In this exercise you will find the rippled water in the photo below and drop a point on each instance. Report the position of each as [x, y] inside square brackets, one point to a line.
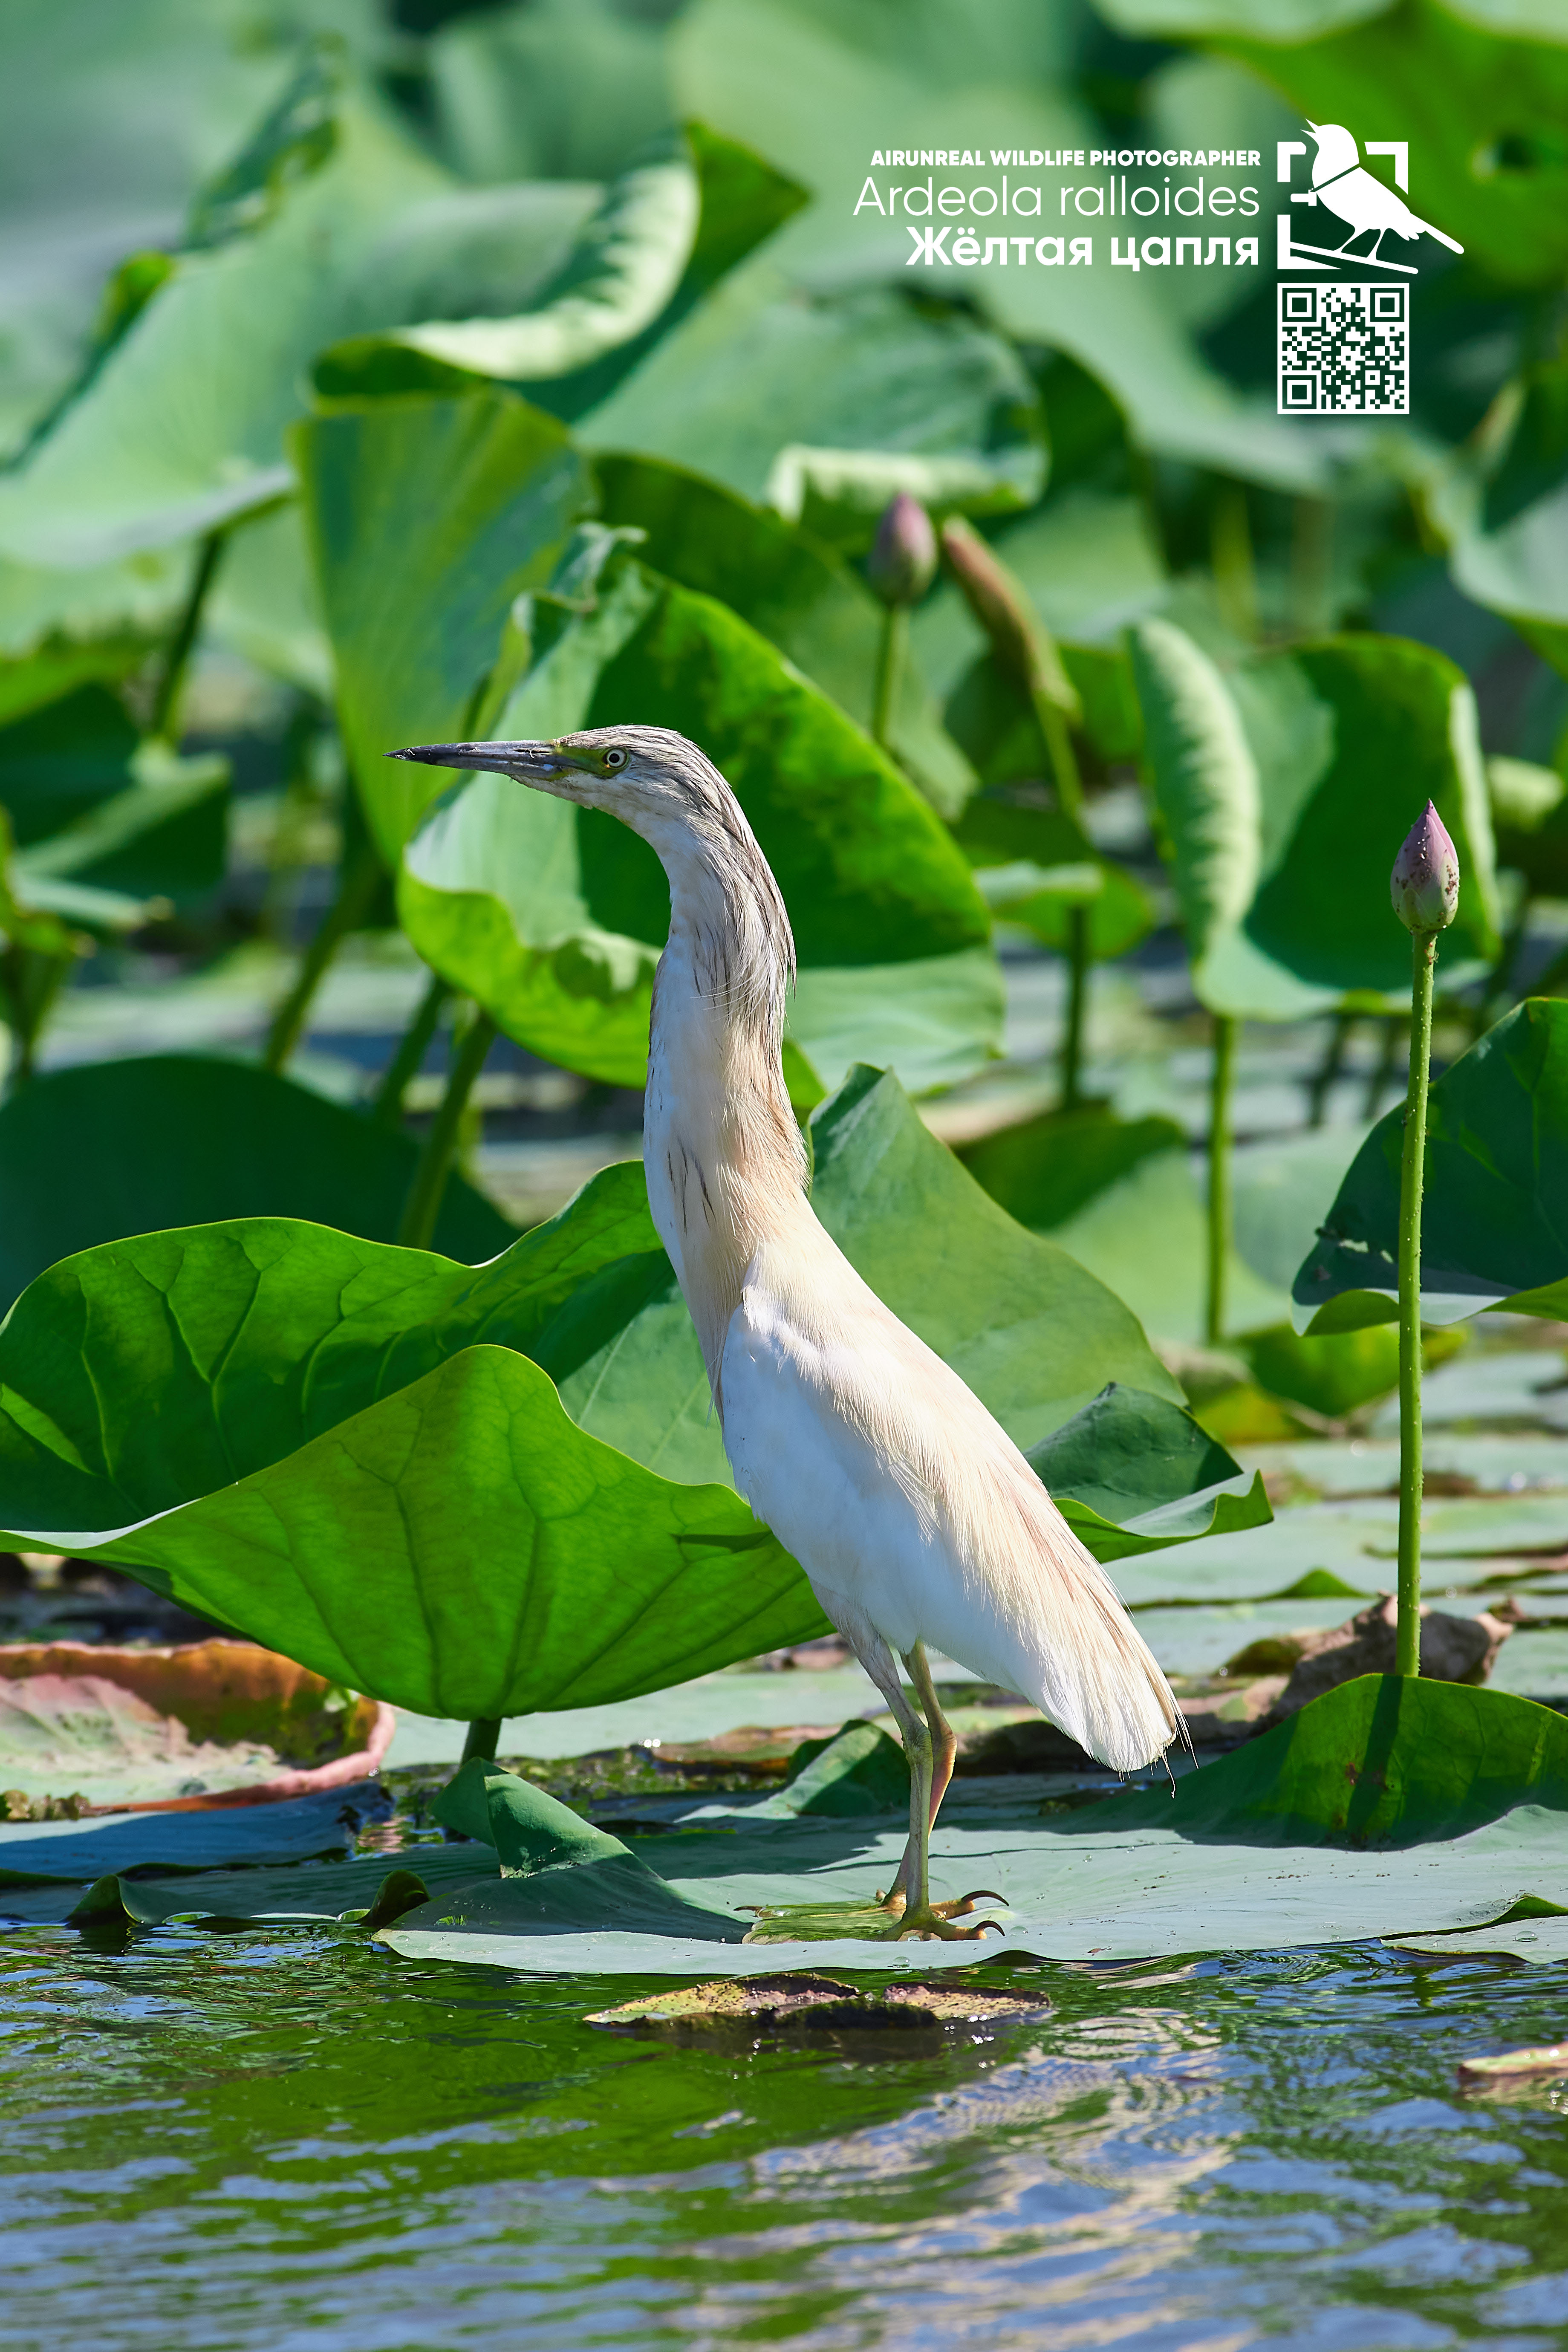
[252, 2140]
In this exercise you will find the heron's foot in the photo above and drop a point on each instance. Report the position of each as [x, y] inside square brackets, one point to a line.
[886, 1922]
[938, 1922]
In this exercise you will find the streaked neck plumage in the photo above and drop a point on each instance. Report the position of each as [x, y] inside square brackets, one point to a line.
[725, 1164]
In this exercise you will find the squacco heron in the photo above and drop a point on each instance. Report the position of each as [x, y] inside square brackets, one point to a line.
[915, 1517]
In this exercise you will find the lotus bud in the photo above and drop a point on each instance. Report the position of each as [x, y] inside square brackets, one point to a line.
[1425, 884]
[1001, 604]
[902, 562]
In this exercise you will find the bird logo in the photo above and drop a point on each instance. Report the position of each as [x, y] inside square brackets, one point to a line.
[1371, 208]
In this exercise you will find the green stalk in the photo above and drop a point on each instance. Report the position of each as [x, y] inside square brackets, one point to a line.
[1068, 782]
[181, 644]
[1311, 564]
[424, 1202]
[1230, 545]
[1065, 772]
[358, 881]
[413, 1045]
[484, 1738]
[1221, 1081]
[1077, 1007]
[1388, 1054]
[1327, 1073]
[1408, 1639]
[892, 646]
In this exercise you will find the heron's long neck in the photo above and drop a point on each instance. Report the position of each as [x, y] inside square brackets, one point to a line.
[723, 1155]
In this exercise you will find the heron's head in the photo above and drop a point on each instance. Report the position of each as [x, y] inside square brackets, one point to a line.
[648, 776]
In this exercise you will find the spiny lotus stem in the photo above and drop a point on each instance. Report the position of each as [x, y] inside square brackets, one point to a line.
[1426, 892]
[1425, 884]
[902, 562]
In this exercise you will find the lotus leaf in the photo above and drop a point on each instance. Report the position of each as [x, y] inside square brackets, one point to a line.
[826, 408]
[1285, 887]
[1493, 1232]
[792, 592]
[179, 428]
[105, 1148]
[427, 517]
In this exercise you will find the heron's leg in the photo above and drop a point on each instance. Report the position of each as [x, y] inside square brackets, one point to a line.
[910, 1887]
[944, 1739]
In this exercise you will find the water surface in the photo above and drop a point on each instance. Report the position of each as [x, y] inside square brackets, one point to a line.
[254, 2139]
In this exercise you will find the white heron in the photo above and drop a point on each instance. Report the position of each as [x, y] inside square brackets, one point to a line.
[912, 1513]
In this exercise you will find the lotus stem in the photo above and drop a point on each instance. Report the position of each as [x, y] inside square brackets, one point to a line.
[1065, 772]
[1077, 1008]
[1235, 575]
[181, 644]
[357, 884]
[1325, 1077]
[420, 1211]
[1221, 1080]
[1387, 1054]
[892, 645]
[1068, 782]
[484, 1738]
[1411, 1173]
[412, 1048]
[1311, 564]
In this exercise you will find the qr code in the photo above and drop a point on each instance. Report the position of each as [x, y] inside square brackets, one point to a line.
[1344, 349]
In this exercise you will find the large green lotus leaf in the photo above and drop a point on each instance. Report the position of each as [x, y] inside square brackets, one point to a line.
[1132, 1472]
[1349, 737]
[426, 518]
[801, 85]
[518, 1563]
[562, 90]
[933, 1019]
[264, 605]
[260, 1333]
[831, 403]
[180, 426]
[143, 104]
[552, 917]
[1482, 111]
[1035, 866]
[89, 1153]
[1400, 1804]
[792, 592]
[674, 221]
[1202, 777]
[60, 629]
[1121, 1197]
[1494, 1229]
[87, 807]
[618, 277]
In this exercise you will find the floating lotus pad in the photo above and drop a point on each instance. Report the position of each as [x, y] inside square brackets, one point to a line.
[1386, 1809]
[203, 1723]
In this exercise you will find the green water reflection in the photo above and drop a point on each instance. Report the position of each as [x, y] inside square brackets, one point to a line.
[256, 2139]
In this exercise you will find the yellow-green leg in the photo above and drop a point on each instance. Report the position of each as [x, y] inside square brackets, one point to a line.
[906, 1909]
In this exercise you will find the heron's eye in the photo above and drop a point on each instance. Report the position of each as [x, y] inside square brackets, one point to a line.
[614, 759]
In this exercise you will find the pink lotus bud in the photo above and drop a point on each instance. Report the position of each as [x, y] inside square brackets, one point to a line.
[1001, 603]
[902, 562]
[1425, 884]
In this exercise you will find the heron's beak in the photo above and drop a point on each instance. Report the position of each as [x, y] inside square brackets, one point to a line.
[532, 763]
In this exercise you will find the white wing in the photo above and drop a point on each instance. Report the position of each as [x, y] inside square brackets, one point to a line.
[909, 1506]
